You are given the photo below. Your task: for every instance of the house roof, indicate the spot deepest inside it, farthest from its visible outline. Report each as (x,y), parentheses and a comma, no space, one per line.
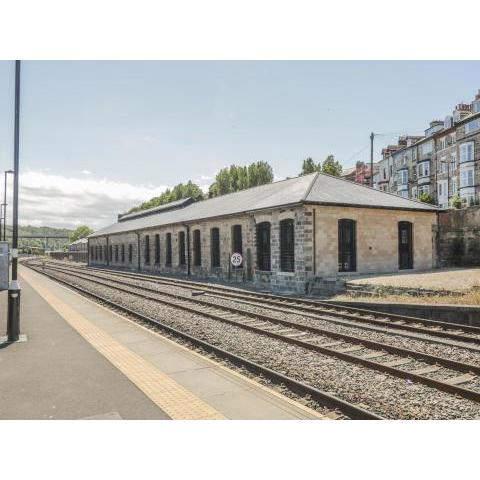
(315,188)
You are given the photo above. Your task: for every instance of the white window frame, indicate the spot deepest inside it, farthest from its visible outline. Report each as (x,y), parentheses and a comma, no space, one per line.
(427,147)
(467,177)
(467,152)
(472,126)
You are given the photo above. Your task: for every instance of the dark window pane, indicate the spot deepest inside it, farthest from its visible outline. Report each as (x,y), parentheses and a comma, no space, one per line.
(168,256)
(263,246)
(237,246)
(147,249)
(287,245)
(215,247)
(197,248)
(181,248)
(157,248)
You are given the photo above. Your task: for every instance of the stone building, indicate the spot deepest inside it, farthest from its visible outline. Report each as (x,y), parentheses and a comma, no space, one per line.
(78,250)
(290,235)
(444,163)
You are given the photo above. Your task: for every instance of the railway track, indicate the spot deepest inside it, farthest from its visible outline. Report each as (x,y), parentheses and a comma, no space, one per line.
(347,409)
(345,315)
(440,373)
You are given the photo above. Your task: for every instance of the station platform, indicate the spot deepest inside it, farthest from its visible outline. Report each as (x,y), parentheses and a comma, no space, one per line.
(80,360)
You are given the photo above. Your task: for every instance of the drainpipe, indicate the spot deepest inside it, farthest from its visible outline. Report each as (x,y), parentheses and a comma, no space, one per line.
(187,246)
(138,249)
(88,252)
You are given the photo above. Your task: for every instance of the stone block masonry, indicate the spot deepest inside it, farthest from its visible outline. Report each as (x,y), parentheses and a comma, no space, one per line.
(459,237)
(315,246)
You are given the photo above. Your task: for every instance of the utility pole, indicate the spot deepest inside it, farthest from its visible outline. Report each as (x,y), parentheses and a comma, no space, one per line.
(5,205)
(372,136)
(13,322)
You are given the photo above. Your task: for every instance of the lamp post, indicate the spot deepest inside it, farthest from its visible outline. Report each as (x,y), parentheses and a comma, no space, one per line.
(5,206)
(13,322)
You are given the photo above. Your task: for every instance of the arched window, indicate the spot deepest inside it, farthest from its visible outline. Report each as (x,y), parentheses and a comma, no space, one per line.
(100,252)
(116,253)
(263,246)
(123,253)
(147,248)
(130,253)
(157,248)
(168,247)
(197,248)
(347,245)
(237,246)
(181,248)
(111,253)
(287,245)
(215,247)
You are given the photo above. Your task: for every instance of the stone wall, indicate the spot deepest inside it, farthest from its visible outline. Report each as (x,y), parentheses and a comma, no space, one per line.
(377,239)
(274,279)
(459,237)
(316,246)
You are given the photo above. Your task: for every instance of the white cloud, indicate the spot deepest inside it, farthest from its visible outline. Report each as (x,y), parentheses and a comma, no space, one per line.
(59,201)
(86,172)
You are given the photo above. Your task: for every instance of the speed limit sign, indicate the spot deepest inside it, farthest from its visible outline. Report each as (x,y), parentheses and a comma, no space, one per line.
(236,259)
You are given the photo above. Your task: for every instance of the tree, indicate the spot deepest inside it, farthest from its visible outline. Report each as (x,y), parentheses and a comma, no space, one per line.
(330,166)
(309,166)
(236,178)
(80,232)
(426,198)
(178,192)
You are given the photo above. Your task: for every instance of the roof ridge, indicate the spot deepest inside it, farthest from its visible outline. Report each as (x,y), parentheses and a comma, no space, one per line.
(310,186)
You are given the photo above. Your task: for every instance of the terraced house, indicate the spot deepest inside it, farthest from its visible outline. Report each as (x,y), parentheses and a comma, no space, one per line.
(290,235)
(444,163)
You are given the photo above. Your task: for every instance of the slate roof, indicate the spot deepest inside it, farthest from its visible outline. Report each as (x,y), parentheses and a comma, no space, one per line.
(161,208)
(314,188)
(328,190)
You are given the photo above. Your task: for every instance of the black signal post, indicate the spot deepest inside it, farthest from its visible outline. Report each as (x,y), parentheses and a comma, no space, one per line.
(13,323)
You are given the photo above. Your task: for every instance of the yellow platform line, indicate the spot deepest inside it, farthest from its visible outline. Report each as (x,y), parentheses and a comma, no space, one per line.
(175,400)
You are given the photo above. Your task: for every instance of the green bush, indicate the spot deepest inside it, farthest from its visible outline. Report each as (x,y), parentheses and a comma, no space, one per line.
(426,198)
(456,201)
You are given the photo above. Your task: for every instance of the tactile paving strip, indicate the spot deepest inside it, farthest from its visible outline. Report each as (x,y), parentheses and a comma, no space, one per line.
(176,401)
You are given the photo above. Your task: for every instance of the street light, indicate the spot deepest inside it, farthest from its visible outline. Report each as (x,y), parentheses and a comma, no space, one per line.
(13,321)
(5,206)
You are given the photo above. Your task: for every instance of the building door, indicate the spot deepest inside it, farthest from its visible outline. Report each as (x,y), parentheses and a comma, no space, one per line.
(347,246)
(405,246)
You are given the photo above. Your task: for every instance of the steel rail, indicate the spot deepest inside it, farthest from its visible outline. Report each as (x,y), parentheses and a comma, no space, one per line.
(311,306)
(298,302)
(300,388)
(375,345)
(431,382)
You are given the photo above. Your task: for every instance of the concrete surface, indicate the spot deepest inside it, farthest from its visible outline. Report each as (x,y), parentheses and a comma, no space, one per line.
(58,374)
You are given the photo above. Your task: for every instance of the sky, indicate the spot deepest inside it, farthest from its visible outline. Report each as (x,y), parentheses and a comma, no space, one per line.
(97,138)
